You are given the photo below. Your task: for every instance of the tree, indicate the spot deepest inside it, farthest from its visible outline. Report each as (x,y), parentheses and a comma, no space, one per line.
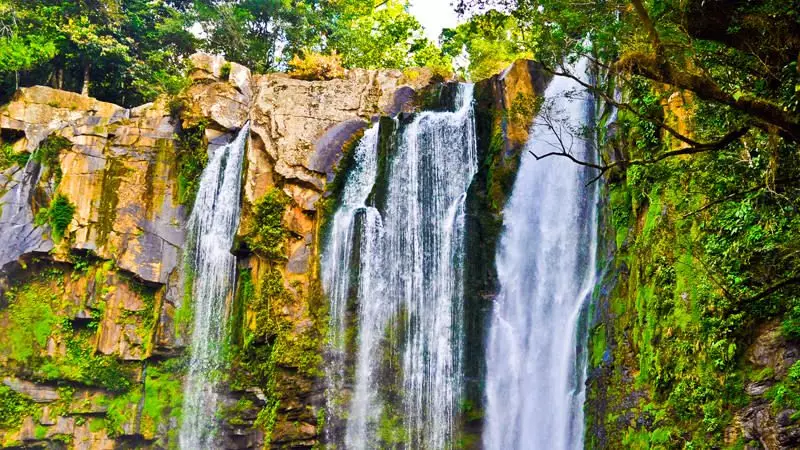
(125,51)
(492,41)
(265,35)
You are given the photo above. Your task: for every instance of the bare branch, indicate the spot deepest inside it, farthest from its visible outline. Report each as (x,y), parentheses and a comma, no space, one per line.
(625,106)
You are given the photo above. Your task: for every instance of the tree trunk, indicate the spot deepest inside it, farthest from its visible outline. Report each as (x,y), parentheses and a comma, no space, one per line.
(85,90)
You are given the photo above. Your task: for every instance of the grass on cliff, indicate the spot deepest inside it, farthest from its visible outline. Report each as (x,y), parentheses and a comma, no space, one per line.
(191,157)
(58,215)
(704,240)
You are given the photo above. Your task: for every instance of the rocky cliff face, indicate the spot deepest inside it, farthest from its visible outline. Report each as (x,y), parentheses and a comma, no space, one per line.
(94,316)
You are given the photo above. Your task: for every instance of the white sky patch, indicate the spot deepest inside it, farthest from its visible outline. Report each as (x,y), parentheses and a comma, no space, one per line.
(434,15)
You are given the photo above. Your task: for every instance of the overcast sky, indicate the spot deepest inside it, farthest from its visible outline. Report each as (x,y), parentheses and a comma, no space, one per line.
(434,15)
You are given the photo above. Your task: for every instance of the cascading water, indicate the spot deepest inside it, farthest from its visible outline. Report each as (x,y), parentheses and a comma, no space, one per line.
(397,249)
(336,260)
(546,269)
(212,226)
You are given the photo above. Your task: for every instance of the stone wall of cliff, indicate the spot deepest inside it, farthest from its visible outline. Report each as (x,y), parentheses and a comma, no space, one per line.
(95,316)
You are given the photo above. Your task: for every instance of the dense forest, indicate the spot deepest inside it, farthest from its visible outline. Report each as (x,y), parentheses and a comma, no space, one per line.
(694,323)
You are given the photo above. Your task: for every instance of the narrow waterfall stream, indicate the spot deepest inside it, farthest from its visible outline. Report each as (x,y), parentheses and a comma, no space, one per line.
(395,256)
(212,226)
(546,269)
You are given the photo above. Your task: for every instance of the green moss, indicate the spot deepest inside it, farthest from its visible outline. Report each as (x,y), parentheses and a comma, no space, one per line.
(9,158)
(191,156)
(391,431)
(48,155)
(268,235)
(13,408)
(96,424)
(598,345)
(163,395)
(58,215)
(31,319)
(113,175)
(81,364)
(122,410)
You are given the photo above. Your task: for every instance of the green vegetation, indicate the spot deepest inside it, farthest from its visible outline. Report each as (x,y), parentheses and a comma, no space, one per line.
(13,408)
(130,51)
(191,154)
(268,235)
(37,312)
(58,215)
(705,240)
(9,157)
(126,51)
(493,40)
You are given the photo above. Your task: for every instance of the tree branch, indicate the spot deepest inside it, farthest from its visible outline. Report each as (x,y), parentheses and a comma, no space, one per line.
(707,89)
(625,106)
(624,163)
(651,31)
(773,289)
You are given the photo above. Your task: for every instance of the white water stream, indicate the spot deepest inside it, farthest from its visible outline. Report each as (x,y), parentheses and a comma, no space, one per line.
(402,264)
(212,226)
(546,268)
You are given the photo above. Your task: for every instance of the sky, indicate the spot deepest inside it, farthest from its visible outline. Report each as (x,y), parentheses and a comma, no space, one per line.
(434,15)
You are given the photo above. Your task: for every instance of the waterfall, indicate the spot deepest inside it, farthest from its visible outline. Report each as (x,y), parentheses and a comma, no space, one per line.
(546,268)
(337,258)
(395,252)
(212,226)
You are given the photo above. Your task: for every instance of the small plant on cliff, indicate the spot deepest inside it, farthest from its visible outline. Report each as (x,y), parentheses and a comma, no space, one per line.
(192,159)
(8,157)
(13,408)
(48,154)
(268,235)
(316,66)
(58,215)
(225,71)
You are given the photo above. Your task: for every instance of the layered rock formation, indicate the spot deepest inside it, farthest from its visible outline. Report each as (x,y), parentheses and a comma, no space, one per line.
(94,315)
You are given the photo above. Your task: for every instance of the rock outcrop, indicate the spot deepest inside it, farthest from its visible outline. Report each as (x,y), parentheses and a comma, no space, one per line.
(91,252)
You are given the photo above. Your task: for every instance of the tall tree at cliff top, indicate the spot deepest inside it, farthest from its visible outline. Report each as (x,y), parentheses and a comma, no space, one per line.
(265,34)
(492,41)
(125,51)
(741,54)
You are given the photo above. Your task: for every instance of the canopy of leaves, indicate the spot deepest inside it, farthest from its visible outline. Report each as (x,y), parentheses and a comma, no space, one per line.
(130,51)
(265,34)
(491,41)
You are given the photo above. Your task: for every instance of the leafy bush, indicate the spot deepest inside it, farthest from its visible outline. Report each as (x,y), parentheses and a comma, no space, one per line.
(225,71)
(192,159)
(13,407)
(316,66)
(268,235)
(58,215)
(48,155)
(8,157)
